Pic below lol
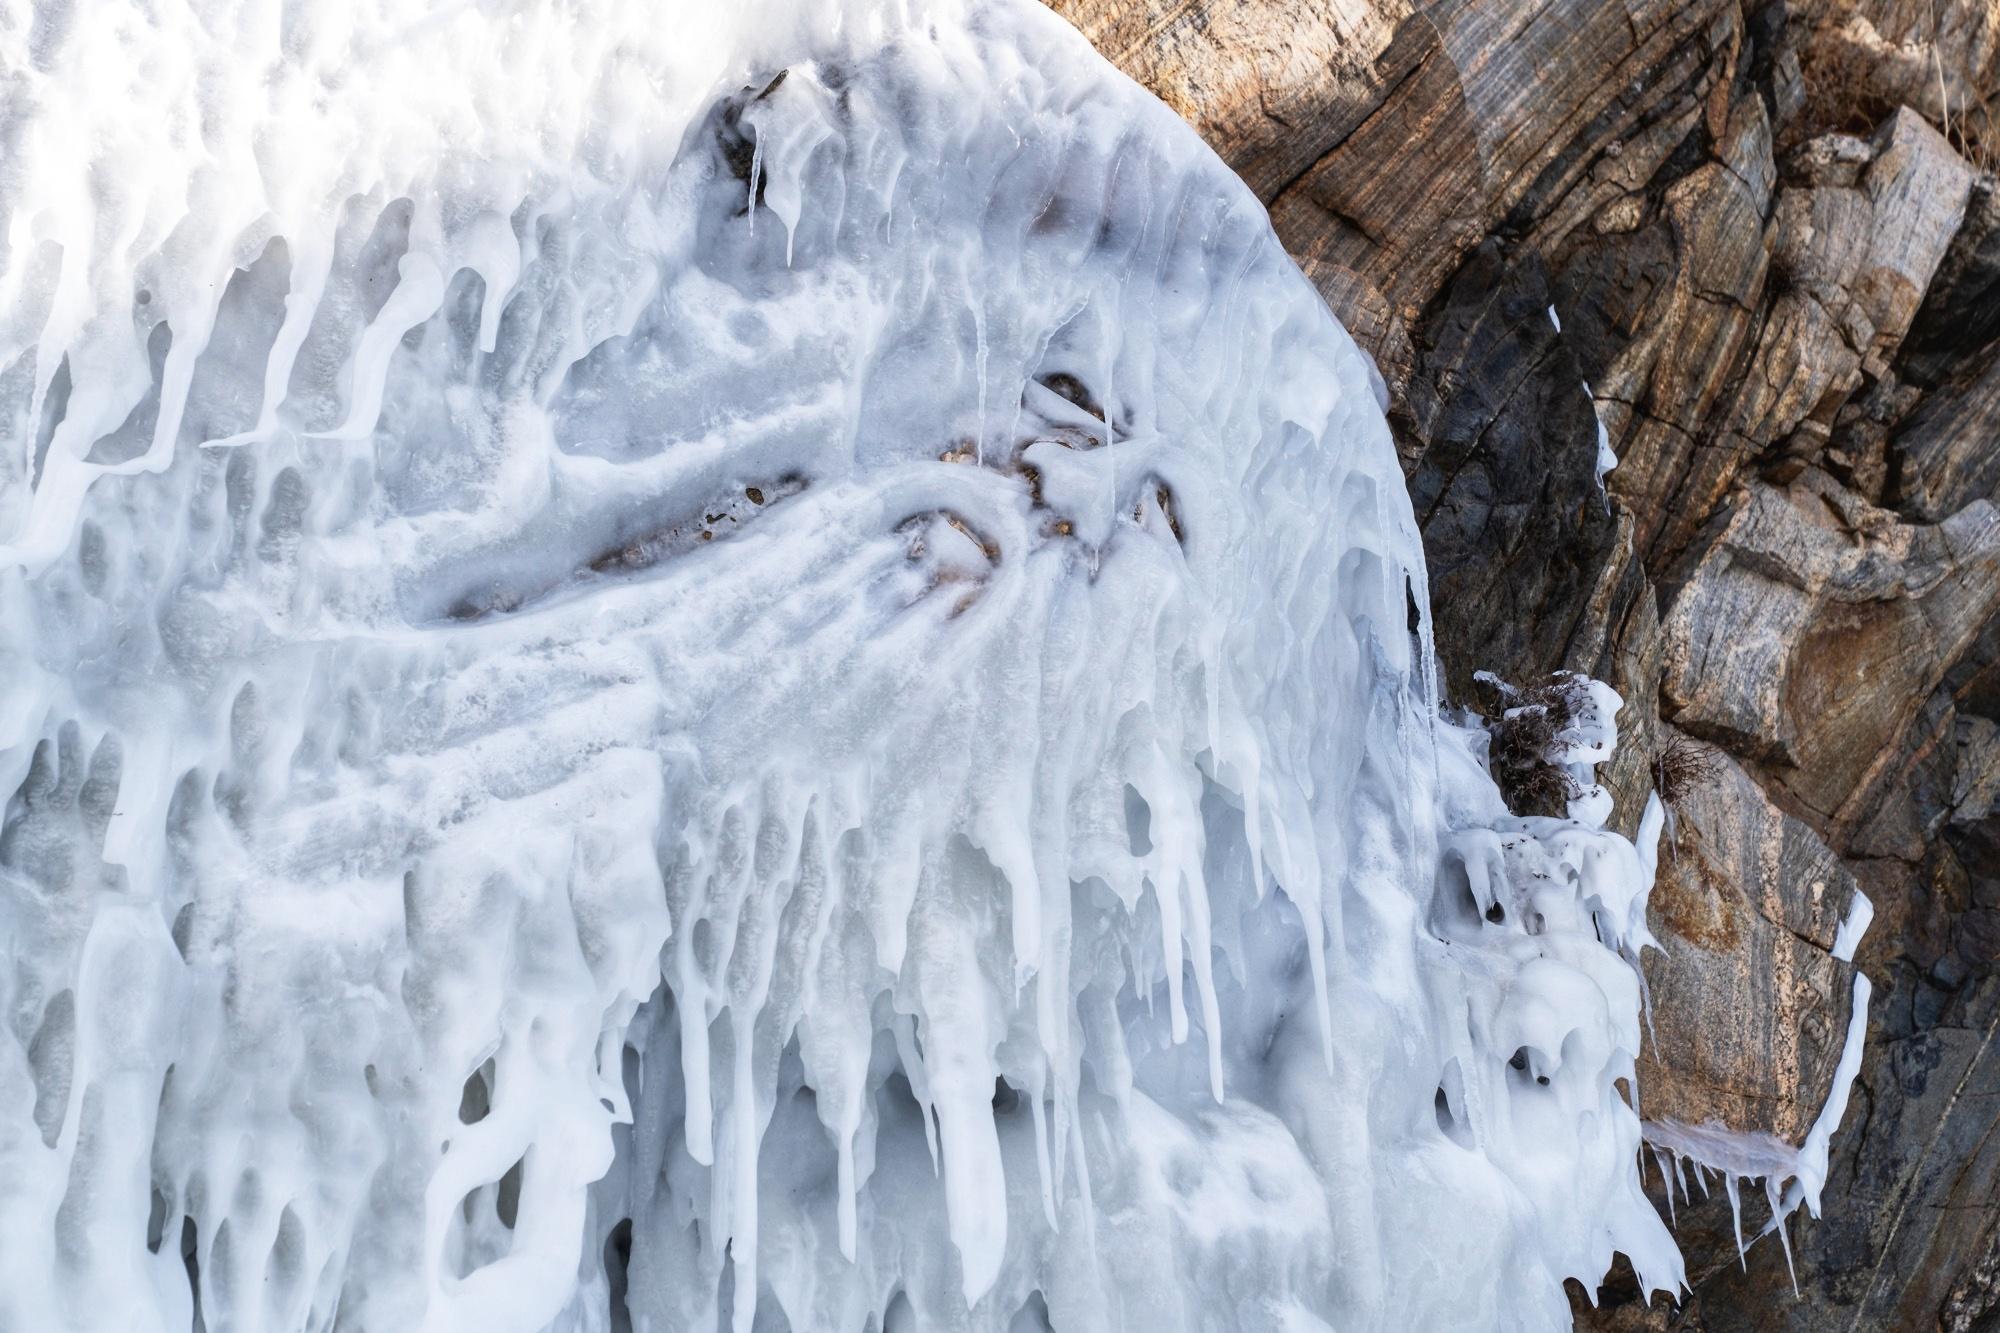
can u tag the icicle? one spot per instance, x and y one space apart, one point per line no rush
312 264
1173 957
844 1168
1042 1166
416 298
1736 1218
743 1152
693 1014
1778 1225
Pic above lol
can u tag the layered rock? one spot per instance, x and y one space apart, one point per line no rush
1770 238
1749 903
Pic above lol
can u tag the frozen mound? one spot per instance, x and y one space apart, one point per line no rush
760 667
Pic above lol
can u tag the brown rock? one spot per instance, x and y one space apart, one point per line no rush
1402 195
1687 332
1917 188
1939 57
1813 627
1946 451
1749 1005
1270 88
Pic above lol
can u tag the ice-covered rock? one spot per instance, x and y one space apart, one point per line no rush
764 667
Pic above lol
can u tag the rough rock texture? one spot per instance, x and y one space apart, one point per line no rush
1750 890
1771 235
1862 57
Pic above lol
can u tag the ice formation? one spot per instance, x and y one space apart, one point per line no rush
762 666
1790 1174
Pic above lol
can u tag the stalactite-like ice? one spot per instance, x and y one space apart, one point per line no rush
760 666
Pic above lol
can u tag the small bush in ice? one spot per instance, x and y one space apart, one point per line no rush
1524 723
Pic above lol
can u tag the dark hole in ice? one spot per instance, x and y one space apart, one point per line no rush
1005 1099
477 1099
1448 1104
617 1266
738 145
507 1199
1455 907
55 405
1032 1317
631 1071
51 1061
1164 497
156 1222
1519 1062
1496 914
286 1268
135 435
1138 822
190 1246
1068 387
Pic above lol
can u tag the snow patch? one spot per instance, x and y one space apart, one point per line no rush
1607 457
1860 915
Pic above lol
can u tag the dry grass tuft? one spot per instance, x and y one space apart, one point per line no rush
1684 766
1848 89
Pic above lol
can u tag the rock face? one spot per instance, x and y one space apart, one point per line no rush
1747 915
1771 236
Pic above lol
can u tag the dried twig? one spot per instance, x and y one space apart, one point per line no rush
1684 766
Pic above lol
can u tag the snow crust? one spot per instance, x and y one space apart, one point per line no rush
760 667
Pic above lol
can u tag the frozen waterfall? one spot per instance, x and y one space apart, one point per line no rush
748 666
